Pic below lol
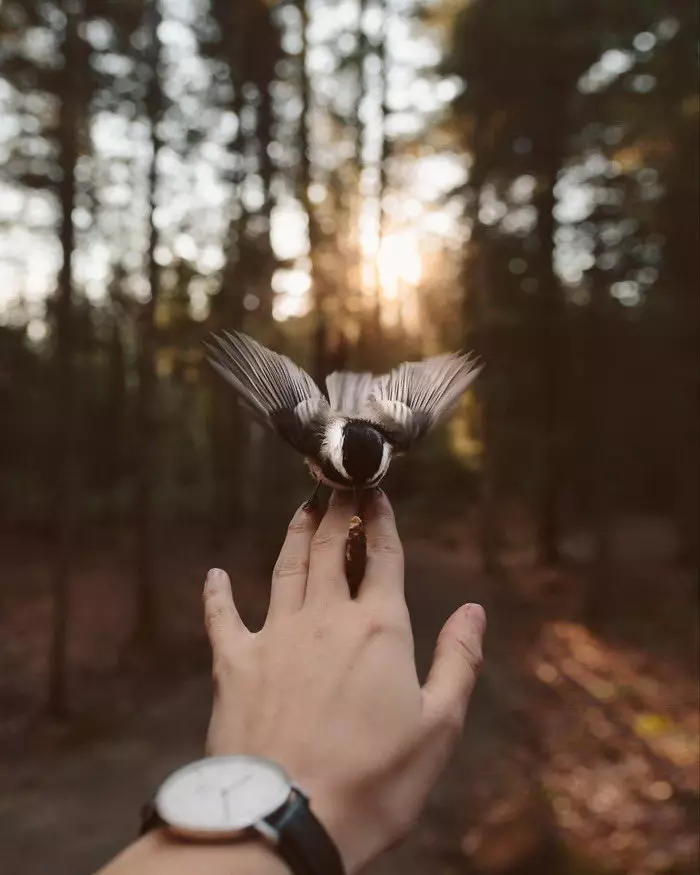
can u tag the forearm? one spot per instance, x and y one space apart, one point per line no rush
158 854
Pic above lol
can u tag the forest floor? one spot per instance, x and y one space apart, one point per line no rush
581 749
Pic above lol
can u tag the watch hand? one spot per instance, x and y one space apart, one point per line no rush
240 782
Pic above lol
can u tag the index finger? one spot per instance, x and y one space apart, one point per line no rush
385 565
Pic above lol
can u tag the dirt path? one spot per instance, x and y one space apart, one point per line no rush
67 813
610 727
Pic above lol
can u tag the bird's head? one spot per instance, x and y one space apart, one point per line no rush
365 453
358 451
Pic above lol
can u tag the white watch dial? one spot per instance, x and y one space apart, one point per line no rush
221 795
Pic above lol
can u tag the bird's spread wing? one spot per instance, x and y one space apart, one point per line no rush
348 393
278 392
415 396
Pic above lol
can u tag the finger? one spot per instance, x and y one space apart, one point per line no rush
326 581
222 620
292 566
384 574
456 666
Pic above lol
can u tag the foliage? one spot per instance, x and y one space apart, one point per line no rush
355 183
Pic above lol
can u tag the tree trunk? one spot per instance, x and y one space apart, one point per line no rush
599 354
319 365
383 162
270 514
552 365
65 494
479 314
679 215
355 184
226 419
226 425
489 534
117 401
146 617
266 168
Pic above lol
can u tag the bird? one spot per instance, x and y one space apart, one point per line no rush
349 436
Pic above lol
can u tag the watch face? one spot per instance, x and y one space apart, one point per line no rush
220 796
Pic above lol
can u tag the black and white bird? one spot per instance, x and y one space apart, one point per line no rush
350 437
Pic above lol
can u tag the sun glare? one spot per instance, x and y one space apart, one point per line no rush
400 264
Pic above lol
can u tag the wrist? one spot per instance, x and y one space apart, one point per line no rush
159 852
223 799
359 829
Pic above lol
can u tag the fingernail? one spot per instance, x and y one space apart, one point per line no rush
215 575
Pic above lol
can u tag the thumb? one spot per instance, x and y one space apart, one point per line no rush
456 665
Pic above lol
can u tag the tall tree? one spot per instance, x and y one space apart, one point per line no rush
227 311
383 156
73 79
481 317
675 65
600 331
147 429
479 330
551 153
545 48
319 292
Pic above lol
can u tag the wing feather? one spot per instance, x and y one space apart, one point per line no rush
415 396
276 390
348 393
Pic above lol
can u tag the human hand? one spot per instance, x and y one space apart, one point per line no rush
328 687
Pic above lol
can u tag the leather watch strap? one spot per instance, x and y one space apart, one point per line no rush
150 819
303 842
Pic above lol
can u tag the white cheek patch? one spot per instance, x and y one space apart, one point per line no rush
332 447
387 453
384 464
318 474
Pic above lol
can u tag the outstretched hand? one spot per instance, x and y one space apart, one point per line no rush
328 687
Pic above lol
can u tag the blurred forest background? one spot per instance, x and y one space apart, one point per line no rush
356 182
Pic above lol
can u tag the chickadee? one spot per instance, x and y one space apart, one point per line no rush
349 438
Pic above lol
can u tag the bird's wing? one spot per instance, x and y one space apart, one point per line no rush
415 396
348 393
278 392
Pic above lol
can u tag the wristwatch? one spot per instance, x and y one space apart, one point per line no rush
229 797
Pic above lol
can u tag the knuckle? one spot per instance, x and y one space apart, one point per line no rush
299 525
377 623
224 666
290 566
385 543
383 512
324 542
323 629
215 614
374 627
232 660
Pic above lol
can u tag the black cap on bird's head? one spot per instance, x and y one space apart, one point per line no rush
363 452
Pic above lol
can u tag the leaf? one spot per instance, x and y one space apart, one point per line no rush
651 725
